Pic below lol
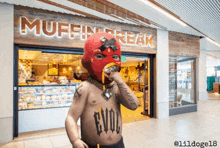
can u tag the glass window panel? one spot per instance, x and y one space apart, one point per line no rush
181 81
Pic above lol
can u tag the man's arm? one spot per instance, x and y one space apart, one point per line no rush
74 113
125 95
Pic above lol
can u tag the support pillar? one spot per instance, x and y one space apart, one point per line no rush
162 74
6 72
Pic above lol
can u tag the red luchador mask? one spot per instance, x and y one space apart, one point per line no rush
102 50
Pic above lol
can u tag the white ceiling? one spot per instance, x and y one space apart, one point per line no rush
203 15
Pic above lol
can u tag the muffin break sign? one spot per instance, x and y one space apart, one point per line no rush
60 29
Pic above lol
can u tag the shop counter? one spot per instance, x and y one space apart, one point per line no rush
43 107
42 119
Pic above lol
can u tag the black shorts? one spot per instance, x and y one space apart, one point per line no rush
120 144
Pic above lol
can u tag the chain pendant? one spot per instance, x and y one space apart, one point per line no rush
107 94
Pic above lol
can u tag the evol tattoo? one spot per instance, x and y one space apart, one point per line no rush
105 116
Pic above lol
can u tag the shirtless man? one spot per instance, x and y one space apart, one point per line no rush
97 100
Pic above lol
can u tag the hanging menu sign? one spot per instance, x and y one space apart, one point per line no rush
39 27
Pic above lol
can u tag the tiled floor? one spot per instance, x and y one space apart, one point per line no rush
200 126
132 116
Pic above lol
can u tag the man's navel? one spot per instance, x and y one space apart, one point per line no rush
109 138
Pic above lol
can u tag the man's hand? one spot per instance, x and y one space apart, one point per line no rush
79 144
125 95
115 76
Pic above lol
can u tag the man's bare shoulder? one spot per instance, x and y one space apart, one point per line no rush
85 85
83 88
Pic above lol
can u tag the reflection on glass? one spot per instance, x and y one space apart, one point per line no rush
181 82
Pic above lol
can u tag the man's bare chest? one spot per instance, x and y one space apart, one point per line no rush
96 97
104 114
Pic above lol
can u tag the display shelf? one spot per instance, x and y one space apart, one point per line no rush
45 96
57 93
33 109
61 85
45 101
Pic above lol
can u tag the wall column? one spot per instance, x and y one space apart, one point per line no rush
6 72
202 68
162 74
202 79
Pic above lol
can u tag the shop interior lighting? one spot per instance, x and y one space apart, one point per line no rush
212 41
64 70
78 67
147 2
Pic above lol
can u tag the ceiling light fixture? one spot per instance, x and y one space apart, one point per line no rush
120 18
142 22
147 2
210 40
131 20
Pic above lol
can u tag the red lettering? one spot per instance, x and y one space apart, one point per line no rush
83 32
61 30
74 29
35 24
110 31
130 38
97 30
89 32
53 31
120 35
140 39
149 40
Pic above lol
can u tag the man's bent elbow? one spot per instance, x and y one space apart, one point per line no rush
134 106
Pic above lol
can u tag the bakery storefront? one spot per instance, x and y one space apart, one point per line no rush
48 47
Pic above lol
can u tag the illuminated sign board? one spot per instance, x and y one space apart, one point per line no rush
60 29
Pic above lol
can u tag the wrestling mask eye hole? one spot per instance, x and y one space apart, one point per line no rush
116 57
100 56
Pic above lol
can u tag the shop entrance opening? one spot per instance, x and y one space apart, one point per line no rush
46 80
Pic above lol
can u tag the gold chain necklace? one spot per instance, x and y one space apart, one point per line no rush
107 94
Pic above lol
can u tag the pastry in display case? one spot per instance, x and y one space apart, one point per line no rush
38 97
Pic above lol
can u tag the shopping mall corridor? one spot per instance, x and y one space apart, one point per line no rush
201 126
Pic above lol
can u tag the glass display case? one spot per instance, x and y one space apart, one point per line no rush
45 96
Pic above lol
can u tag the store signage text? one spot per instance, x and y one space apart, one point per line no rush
58 29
